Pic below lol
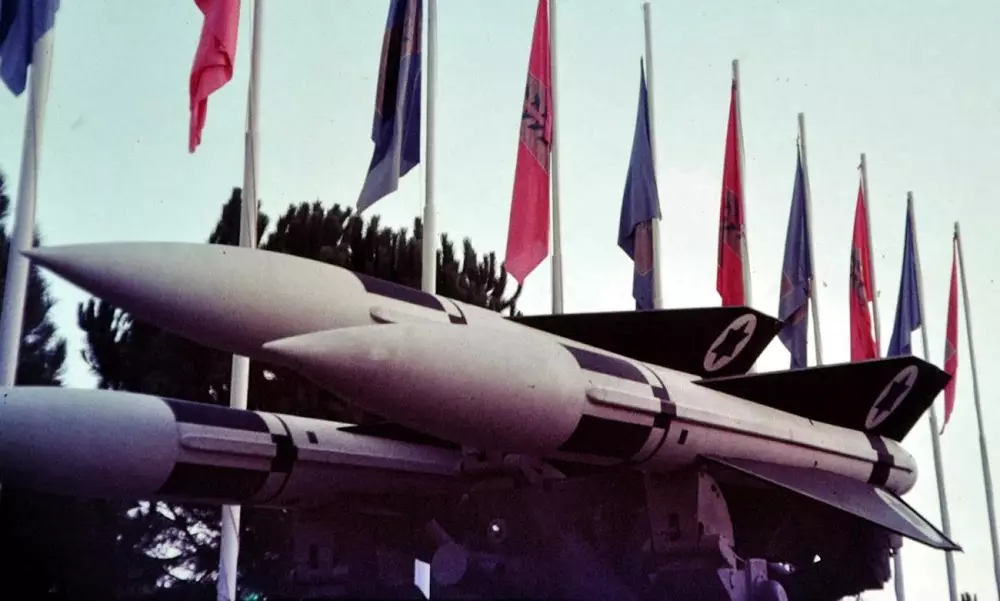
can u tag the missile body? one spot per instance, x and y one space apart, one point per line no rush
213 294
529 392
106 444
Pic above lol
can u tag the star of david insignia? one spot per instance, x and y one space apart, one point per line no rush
892 397
642 248
730 342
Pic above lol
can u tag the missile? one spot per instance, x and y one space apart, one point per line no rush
654 390
525 392
212 294
110 444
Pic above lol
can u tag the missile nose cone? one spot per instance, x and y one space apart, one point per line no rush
487 388
226 297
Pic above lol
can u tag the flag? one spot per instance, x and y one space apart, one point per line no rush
908 316
640 205
396 125
213 60
796 275
951 341
729 275
528 232
862 341
22 24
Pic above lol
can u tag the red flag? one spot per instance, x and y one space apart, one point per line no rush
528 233
951 342
862 341
729 278
214 59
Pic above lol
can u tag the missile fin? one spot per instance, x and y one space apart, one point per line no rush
860 499
705 341
883 397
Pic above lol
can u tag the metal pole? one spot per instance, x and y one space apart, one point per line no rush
557 267
647 29
935 431
812 252
987 478
229 546
22 236
430 241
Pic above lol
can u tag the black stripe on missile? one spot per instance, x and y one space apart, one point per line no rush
286 454
609 366
208 482
404 294
660 391
668 411
456 319
204 414
606 438
883 465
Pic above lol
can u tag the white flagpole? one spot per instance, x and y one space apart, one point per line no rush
557 267
647 27
897 557
747 296
871 264
229 546
812 253
987 478
430 240
22 236
935 431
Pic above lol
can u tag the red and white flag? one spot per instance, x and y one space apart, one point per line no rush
528 233
214 59
951 340
729 274
862 340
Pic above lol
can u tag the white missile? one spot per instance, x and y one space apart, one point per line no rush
655 390
526 392
93 443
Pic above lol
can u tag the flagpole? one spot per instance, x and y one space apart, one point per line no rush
935 431
22 236
430 241
647 30
871 265
897 558
557 267
229 546
812 253
747 296
987 478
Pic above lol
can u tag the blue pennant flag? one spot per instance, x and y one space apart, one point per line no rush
796 276
640 205
396 127
908 316
22 24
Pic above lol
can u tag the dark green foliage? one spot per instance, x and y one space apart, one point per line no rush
128 354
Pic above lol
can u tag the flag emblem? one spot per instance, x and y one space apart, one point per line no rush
534 121
643 249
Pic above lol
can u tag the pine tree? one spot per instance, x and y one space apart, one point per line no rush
128 354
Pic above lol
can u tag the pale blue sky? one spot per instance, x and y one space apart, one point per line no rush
908 82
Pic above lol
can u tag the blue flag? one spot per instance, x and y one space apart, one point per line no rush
22 23
396 126
640 205
908 316
796 276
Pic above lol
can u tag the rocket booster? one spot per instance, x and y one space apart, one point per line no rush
94 443
528 392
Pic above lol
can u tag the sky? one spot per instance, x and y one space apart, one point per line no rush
905 81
